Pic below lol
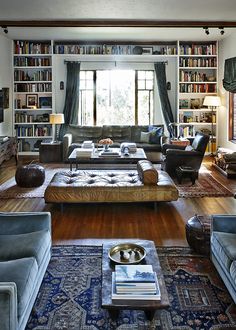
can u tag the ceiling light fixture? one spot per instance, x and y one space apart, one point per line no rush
5 29
206 30
222 32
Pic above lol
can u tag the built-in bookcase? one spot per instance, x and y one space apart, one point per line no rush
33 93
198 77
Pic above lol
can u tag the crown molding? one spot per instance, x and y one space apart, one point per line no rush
117 23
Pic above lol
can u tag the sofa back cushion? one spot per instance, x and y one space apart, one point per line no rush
81 133
136 132
117 133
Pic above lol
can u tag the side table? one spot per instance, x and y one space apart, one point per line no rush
186 171
50 152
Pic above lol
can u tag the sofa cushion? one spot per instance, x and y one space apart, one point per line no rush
224 247
155 134
117 133
136 132
81 133
19 246
145 136
23 272
149 146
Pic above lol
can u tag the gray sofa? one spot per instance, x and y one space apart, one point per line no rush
142 135
25 250
223 249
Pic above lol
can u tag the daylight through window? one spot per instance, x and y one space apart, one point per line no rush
116 97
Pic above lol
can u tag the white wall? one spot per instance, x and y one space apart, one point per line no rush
227 49
6 81
171 73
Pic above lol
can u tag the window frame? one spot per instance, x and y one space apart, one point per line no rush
136 93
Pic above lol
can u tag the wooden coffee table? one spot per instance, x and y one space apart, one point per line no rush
133 158
149 307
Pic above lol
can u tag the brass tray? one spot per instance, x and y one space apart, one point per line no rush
119 253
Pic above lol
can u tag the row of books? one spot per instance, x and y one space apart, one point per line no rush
194 49
190 87
189 76
35 88
137 282
42 75
32 61
29 47
198 62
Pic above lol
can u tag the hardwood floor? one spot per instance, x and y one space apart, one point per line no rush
91 223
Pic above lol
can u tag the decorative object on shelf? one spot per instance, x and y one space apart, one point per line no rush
32 101
45 102
147 50
56 119
137 50
212 102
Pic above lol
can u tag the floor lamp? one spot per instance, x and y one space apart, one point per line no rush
212 102
56 119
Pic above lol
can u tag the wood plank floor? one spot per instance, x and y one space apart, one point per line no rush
91 223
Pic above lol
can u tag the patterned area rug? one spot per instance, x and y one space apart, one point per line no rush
205 186
70 295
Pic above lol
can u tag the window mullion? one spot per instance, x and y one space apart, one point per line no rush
136 98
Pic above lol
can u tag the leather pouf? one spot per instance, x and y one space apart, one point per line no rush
29 176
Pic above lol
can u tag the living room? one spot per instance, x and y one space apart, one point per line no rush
78 229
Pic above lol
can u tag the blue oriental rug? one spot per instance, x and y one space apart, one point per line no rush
70 295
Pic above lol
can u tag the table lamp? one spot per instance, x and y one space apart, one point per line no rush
212 102
56 119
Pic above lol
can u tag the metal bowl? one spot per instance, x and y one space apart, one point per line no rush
135 252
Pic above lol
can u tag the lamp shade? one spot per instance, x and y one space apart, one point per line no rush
56 118
212 101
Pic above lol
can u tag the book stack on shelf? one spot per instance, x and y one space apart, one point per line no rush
135 282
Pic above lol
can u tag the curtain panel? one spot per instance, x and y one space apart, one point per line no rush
160 69
229 81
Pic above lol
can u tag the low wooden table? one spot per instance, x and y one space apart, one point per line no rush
133 158
149 307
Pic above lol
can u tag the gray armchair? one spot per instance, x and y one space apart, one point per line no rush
175 155
223 249
25 250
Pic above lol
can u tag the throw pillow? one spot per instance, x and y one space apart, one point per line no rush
147 172
155 134
189 148
145 137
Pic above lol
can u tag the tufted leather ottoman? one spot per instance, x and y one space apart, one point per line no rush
29 176
108 186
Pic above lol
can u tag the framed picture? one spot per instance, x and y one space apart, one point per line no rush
31 100
147 50
45 102
195 103
184 104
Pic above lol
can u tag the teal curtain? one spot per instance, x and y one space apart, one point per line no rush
71 106
229 81
160 69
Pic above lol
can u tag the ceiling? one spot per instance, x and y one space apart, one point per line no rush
76 12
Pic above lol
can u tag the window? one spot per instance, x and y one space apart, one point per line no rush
116 97
232 117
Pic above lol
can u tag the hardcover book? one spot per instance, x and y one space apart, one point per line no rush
134 273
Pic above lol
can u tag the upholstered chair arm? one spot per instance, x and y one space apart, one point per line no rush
224 223
182 153
12 223
8 306
171 146
67 140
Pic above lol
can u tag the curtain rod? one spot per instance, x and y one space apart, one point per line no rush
165 62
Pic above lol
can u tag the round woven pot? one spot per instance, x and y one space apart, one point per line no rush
29 176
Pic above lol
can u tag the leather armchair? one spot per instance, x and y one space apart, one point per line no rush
175 155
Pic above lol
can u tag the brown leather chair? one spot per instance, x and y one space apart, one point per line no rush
175 155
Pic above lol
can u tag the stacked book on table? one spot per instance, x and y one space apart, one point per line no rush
113 152
135 282
88 145
86 150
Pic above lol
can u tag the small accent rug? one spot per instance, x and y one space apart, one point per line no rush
205 186
70 295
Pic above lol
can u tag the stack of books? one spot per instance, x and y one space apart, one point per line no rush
88 145
84 152
137 282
